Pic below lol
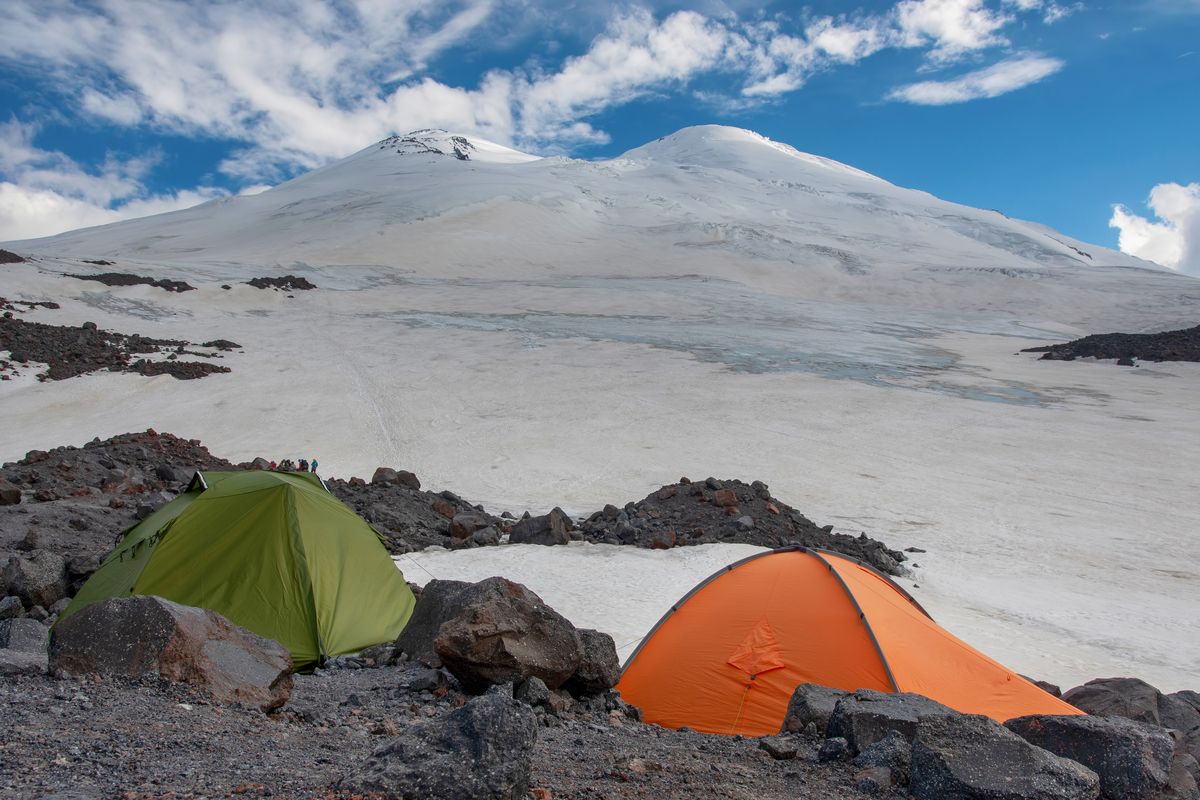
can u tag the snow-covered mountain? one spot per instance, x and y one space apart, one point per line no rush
532 332
711 200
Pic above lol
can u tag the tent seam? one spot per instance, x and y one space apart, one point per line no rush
863 618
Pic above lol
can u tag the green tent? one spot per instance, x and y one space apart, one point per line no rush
274 552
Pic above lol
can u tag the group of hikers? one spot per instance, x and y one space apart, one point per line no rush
288 466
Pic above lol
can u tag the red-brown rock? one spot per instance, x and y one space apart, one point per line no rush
724 498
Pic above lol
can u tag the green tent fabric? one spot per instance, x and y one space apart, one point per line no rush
274 552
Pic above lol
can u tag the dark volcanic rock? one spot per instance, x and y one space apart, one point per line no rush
39 579
126 279
481 751
140 634
866 716
550 529
24 635
70 351
287 282
689 513
1180 345
10 258
599 668
971 757
505 634
437 603
811 705
1117 697
892 752
1179 711
1132 760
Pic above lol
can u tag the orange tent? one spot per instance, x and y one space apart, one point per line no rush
727 657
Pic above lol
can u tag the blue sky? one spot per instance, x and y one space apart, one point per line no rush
1077 115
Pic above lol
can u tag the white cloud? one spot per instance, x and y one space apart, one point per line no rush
48 193
1002 78
302 82
953 27
1174 242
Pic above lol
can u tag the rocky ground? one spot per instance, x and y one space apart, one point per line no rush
1181 345
113 737
70 351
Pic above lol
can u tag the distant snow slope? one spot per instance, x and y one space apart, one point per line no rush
710 200
531 332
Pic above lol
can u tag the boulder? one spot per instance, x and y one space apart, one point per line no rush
260 463
436 603
599 669
24 635
549 529
724 498
813 704
408 479
835 748
10 496
1175 711
11 607
38 579
142 634
866 716
80 568
505 634
14 662
386 476
1132 760
481 751
971 757
1182 783
463 525
1117 697
892 752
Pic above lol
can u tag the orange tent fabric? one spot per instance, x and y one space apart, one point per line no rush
727 657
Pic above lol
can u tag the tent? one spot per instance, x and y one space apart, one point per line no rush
274 552
727 657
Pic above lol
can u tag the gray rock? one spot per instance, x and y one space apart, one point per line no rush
38 579
1132 760
437 602
1190 744
599 669
481 751
874 780
505 633
533 692
780 748
892 752
1184 774
386 476
24 635
1117 697
810 705
428 680
971 757
835 748
10 496
745 523
1176 712
10 607
144 634
261 463
486 536
38 613
381 654
866 716
14 662
550 529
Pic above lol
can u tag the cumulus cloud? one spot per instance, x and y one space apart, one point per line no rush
297 83
1175 241
48 193
1006 76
